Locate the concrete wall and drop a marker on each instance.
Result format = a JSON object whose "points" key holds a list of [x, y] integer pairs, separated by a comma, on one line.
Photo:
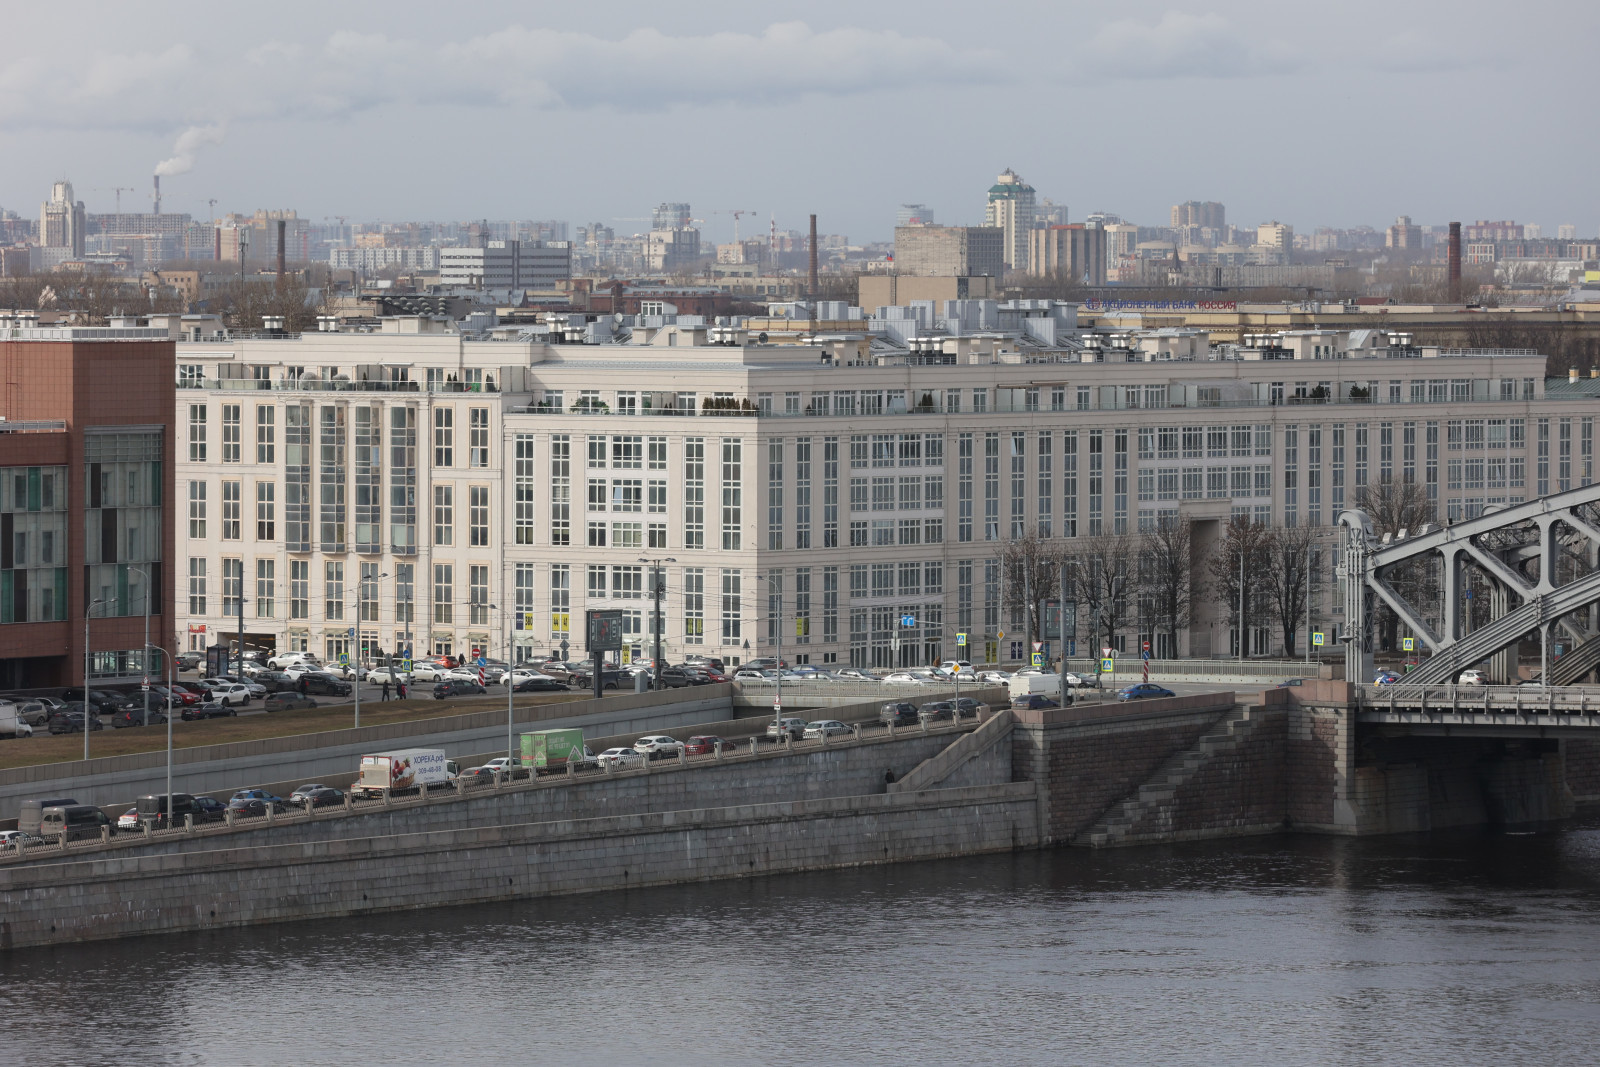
{"points": [[1582, 758], [130, 895], [1239, 791]]}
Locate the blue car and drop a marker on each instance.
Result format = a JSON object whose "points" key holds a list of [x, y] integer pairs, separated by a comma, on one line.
{"points": [[1143, 690], [1386, 678]]}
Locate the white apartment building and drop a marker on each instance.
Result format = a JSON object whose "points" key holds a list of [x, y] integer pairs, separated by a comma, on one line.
{"points": [[507, 265], [436, 492]]}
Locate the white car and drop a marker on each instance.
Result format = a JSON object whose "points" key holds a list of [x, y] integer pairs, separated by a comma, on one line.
{"points": [[826, 728], [347, 671], [430, 672], [658, 746], [994, 676], [1473, 677], [392, 675], [620, 757], [286, 660], [128, 820], [230, 693], [907, 678], [753, 676], [460, 674], [12, 839], [953, 666], [1081, 681]]}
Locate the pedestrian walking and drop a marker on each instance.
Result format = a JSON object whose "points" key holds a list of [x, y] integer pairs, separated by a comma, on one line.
{"points": [[401, 689], [386, 689], [304, 686]]}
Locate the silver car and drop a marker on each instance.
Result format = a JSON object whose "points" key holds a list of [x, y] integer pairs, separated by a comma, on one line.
{"points": [[826, 728]]}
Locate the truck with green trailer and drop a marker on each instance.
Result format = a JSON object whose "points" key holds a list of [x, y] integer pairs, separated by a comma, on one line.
{"points": [[547, 750]]}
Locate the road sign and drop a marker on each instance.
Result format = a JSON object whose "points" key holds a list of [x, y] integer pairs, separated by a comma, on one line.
{"points": [[351, 632], [1318, 638], [1146, 645], [1408, 643], [481, 661], [1107, 665], [1560, 649], [1000, 636], [405, 665], [1038, 659], [344, 659], [777, 702], [145, 687], [908, 620], [1038, 645], [1072, 646], [961, 640], [1144, 654]]}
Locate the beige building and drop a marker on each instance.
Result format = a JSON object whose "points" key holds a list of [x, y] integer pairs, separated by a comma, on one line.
{"points": [[950, 251], [1012, 209], [1074, 252], [439, 493]]}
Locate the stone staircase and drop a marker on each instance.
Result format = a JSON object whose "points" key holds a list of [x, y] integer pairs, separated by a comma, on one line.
{"points": [[1158, 793]]}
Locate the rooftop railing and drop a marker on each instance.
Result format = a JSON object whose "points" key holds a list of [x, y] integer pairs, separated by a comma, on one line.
{"points": [[317, 385]]}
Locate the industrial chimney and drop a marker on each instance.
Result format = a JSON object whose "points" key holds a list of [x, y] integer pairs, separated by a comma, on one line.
{"points": [[813, 259], [158, 194], [1455, 263], [282, 226]]}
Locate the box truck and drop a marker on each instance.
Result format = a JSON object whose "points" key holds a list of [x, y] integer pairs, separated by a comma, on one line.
{"points": [[405, 771], [1045, 685], [549, 749]]}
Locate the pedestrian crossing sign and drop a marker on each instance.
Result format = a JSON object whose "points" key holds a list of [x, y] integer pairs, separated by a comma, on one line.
{"points": [[1038, 659], [1318, 638], [961, 639], [1108, 664], [1408, 643]]}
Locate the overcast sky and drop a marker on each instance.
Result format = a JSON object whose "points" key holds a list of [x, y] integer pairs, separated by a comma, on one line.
{"points": [[1328, 114]]}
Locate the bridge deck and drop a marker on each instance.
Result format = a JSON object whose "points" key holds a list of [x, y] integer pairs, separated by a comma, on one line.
{"points": [[1500, 711]]}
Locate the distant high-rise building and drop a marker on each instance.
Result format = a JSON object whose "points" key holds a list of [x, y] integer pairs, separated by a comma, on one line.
{"points": [[1012, 210], [1204, 213], [62, 221], [914, 215], [671, 216], [1567, 231], [1485, 230], [1275, 234], [950, 251], [1050, 213], [506, 265], [1404, 235], [1532, 231], [1074, 253], [674, 248]]}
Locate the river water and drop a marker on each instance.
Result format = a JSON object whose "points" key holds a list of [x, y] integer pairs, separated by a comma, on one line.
{"points": [[1469, 948]]}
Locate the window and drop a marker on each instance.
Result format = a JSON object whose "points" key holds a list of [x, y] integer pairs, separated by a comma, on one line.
{"points": [[775, 495], [597, 582], [560, 601], [197, 585], [627, 535], [232, 587], [444, 437], [299, 589], [197, 433], [197, 510], [560, 488], [367, 592], [478, 437], [597, 452], [266, 589], [230, 433], [597, 535], [333, 590], [732, 493], [266, 512], [627, 494], [627, 453], [230, 510], [730, 606], [694, 492], [444, 511], [478, 595], [266, 433], [478, 515], [658, 453], [627, 582], [444, 592]]}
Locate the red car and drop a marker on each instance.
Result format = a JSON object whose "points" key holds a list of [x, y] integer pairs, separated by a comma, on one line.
{"points": [[180, 695], [708, 673], [703, 745]]}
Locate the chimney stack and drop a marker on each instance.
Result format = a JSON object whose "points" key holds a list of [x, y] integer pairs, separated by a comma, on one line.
{"points": [[158, 194], [282, 226], [1572, 374], [1455, 263], [813, 259]]}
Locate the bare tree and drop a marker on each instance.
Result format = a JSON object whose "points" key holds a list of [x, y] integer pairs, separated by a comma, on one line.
{"points": [[1243, 556], [1396, 505], [1168, 585], [1288, 579], [1031, 566], [1103, 577]]}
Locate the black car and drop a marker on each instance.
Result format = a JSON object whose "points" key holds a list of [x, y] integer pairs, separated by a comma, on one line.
{"points": [[208, 711], [901, 714], [945, 709], [287, 702], [456, 688], [209, 809], [325, 685], [251, 806], [320, 795], [275, 681], [539, 685], [69, 720], [106, 701], [584, 679], [138, 717]]}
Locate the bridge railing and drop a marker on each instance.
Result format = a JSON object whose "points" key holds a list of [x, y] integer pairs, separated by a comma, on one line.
{"points": [[1571, 700]]}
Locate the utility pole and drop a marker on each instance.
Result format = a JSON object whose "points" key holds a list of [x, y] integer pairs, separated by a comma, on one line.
{"points": [[658, 589]]}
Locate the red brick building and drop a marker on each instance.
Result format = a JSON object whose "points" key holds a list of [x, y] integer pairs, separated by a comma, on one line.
{"points": [[86, 500]]}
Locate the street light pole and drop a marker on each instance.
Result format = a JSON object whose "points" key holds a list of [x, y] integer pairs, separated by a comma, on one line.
{"points": [[170, 681], [658, 577], [355, 638], [510, 684], [89, 611]]}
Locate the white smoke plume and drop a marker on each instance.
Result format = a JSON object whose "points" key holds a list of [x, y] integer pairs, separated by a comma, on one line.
{"points": [[189, 143]]}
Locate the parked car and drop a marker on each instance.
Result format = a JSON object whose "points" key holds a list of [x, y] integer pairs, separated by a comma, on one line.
{"points": [[105, 701], [138, 717], [678, 678], [994, 675], [230, 693], [706, 663], [750, 674], [320, 795], [1472, 677], [288, 702], [188, 661], [795, 729], [953, 666], [70, 720], [276, 681], [908, 678], [857, 674], [826, 728], [213, 710], [765, 663], [424, 671], [704, 675], [456, 688], [350, 672], [1144, 691], [946, 709], [1081, 681], [1386, 678], [609, 679], [180, 695], [703, 744], [658, 746], [620, 757], [34, 712], [285, 660], [327, 685], [1028, 701], [539, 683], [462, 674], [511, 675], [901, 714]]}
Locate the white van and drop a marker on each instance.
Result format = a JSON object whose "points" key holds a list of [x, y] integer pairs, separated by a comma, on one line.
{"points": [[304, 660]]}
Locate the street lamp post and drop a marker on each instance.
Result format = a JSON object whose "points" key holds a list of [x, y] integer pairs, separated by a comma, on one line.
{"points": [[355, 637], [657, 588], [170, 681], [510, 685], [777, 700], [89, 611]]}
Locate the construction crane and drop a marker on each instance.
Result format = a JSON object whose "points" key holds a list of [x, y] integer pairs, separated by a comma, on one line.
{"points": [[118, 189], [212, 206], [736, 213]]}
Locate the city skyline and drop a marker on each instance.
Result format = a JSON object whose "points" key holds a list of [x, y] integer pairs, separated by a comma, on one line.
{"points": [[315, 113]]}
